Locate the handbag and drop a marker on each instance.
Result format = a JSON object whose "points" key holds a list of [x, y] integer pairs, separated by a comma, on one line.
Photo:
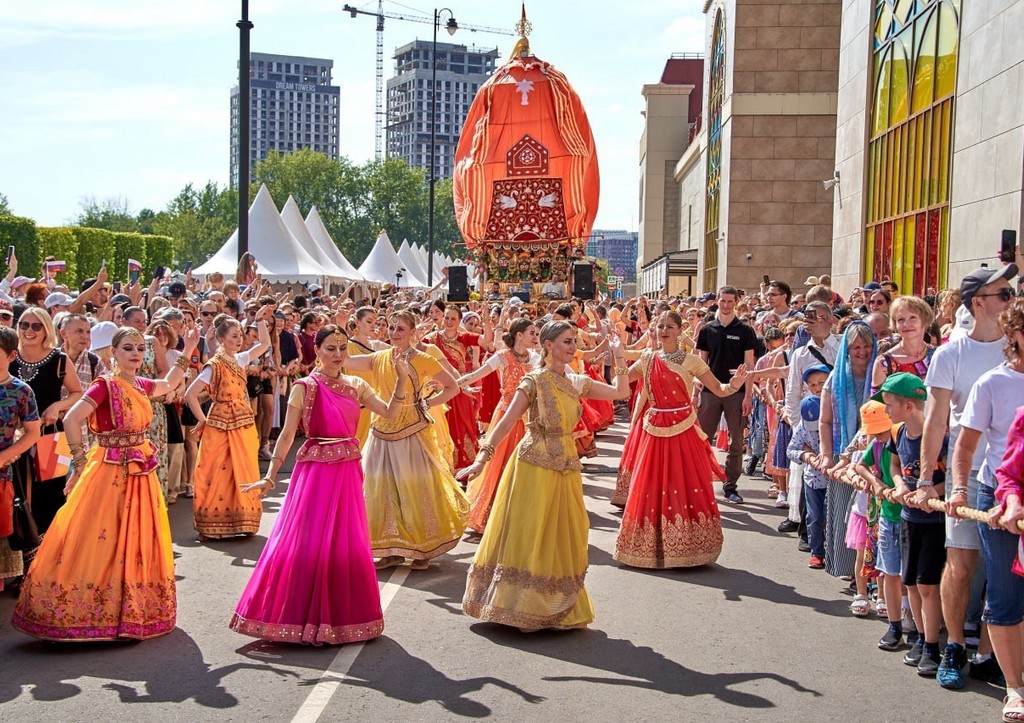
{"points": [[53, 456], [25, 536]]}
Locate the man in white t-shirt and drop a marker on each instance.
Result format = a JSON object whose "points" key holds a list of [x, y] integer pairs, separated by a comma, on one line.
{"points": [[954, 370]]}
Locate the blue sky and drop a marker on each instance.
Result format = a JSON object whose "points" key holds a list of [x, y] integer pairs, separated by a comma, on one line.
{"points": [[129, 98]]}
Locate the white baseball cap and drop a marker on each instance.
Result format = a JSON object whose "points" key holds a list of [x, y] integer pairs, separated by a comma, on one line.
{"points": [[102, 335]]}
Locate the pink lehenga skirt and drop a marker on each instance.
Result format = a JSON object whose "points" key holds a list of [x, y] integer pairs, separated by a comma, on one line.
{"points": [[315, 581]]}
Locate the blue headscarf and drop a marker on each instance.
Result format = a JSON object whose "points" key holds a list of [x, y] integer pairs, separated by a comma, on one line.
{"points": [[847, 397]]}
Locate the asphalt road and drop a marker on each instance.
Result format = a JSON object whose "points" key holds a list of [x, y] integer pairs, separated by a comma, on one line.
{"points": [[756, 636]]}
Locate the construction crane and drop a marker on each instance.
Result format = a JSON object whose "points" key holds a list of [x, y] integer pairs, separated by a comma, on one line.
{"points": [[378, 145]]}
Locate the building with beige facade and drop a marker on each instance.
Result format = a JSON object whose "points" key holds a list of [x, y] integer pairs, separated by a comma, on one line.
{"points": [[930, 143], [876, 139]]}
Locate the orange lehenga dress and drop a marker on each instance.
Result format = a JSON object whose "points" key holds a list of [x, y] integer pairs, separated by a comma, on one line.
{"points": [[481, 490], [105, 569], [462, 409], [671, 517], [227, 457]]}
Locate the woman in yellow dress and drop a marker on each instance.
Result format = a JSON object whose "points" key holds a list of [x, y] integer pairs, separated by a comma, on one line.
{"points": [[529, 569], [105, 570], [361, 342], [414, 506], [228, 454]]}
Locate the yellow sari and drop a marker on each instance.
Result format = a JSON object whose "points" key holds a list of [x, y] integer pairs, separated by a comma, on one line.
{"points": [[529, 569], [105, 569], [414, 506]]}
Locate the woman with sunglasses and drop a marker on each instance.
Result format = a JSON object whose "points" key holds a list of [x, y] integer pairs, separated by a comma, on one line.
{"points": [[47, 370]]}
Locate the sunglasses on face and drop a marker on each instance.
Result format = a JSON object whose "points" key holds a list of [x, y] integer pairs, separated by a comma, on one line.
{"points": [[207, 313], [33, 325], [1003, 294]]}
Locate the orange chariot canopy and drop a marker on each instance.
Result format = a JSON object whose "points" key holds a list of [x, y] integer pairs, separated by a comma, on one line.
{"points": [[526, 168]]}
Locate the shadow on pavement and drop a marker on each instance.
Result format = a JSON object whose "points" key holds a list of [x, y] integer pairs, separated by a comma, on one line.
{"points": [[169, 669], [392, 671], [645, 667]]}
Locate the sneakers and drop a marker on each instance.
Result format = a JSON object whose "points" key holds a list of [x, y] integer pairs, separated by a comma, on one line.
{"points": [[816, 563], [950, 671], [731, 496], [265, 454], [803, 545], [751, 465], [987, 671], [929, 663], [892, 639], [787, 525], [916, 652], [782, 501]]}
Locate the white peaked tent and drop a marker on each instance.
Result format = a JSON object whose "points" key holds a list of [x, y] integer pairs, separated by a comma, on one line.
{"points": [[439, 262], [382, 264], [411, 262], [319, 232], [293, 221], [279, 256]]}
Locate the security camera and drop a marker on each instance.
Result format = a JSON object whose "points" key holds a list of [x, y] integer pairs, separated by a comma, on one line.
{"points": [[830, 183]]}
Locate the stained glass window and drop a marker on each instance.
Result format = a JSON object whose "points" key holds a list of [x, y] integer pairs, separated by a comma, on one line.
{"points": [[909, 153], [712, 206]]}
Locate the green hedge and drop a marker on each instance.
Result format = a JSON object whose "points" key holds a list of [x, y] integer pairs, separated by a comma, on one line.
{"points": [[159, 252], [94, 246], [21, 234], [62, 244], [127, 246]]}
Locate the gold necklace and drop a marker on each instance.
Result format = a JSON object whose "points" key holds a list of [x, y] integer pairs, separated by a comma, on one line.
{"points": [[521, 358]]}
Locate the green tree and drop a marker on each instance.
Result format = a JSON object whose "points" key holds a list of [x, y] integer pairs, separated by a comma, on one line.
{"points": [[112, 214], [447, 237], [144, 220], [5, 207], [199, 221]]}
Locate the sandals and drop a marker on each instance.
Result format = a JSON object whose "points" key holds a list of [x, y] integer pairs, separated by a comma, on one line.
{"points": [[389, 561], [420, 564], [1013, 709], [861, 606], [881, 609]]}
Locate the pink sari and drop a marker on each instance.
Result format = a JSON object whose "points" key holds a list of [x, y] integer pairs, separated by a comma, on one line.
{"points": [[315, 581]]}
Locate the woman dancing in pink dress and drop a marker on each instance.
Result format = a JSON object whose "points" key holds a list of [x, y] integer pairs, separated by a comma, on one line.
{"points": [[315, 581]]}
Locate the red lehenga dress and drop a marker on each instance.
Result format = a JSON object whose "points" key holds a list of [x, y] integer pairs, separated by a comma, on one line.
{"points": [[461, 414], [671, 517], [105, 570], [625, 474], [490, 394], [482, 489]]}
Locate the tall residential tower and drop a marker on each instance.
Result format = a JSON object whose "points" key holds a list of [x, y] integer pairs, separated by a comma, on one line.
{"points": [[292, 105], [460, 73]]}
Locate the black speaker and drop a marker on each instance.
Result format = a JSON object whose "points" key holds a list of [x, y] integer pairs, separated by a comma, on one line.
{"points": [[583, 281], [458, 288]]}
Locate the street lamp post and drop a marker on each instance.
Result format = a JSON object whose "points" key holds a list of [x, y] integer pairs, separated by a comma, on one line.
{"points": [[451, 26], [244, 26]]}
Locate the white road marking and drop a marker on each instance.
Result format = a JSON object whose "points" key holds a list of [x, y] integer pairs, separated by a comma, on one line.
{"points": [[318, 699]]}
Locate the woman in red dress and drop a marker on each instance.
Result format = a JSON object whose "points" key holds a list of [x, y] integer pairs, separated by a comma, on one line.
{"points": [[671, 517], [461, 414]]}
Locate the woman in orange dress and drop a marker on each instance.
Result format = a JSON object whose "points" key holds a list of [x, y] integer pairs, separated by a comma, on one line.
{"points": [[105, 570], [228, 454], [512, 364], [461, 413]]}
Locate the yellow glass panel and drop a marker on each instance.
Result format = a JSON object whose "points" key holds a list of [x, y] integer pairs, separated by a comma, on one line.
{"points": [[908, 191], [944, 147], [901, 54], [897, 171], [897, 254], [903, 8], [946, 52], [884, 21], [887, 176], [909, 243], [869, 254], [926, 166], [936, 156], [880, 112], [924, 69], [919, 149]]}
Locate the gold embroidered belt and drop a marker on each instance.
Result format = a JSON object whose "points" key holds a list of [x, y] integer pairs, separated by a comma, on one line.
{"points": [[120, 439], [328, 450]]}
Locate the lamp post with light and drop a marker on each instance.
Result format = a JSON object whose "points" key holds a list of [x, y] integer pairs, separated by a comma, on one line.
{"points": [[451, 26]]}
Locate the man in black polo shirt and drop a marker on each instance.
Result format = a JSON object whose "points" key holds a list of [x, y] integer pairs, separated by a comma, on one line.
{"points": [[724, 344]]}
